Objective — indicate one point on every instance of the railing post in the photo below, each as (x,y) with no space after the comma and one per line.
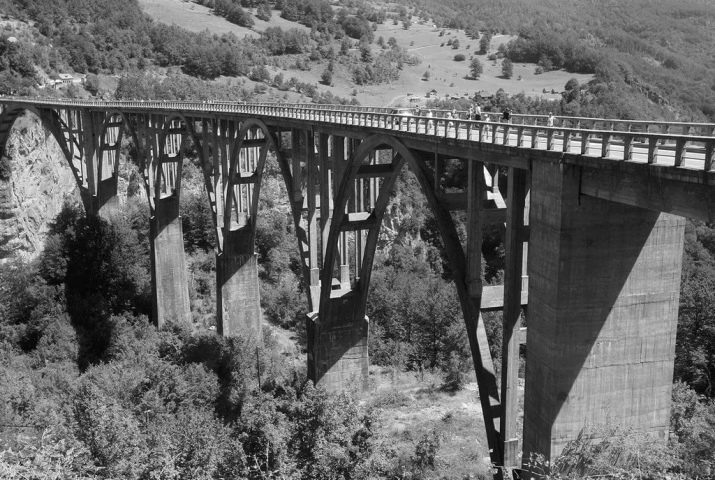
(585,141)
(652,149)
(679,152)
(606,145)
(709,152)
(628,147)
(567,141)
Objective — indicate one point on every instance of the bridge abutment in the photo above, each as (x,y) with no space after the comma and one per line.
(170,299)
(604,282)
(238,309)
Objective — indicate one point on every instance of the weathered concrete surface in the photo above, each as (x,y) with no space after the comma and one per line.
(106,203)
(338,345)
(604,281)
(238,311)
(168,275)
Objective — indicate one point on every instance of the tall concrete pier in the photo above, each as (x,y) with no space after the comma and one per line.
(604,283)
(598,205)
(238,310)
(170,299)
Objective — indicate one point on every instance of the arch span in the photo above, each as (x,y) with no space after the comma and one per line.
(238,165)
(335,309)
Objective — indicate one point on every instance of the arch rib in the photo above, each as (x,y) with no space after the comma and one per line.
(470,301)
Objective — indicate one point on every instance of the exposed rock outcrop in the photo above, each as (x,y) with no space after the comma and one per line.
(39,184)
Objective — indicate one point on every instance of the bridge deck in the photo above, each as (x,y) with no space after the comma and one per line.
(634,157)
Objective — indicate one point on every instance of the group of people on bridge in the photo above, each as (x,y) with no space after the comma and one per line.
(474,112)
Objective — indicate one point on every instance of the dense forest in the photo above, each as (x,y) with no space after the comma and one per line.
(90,389)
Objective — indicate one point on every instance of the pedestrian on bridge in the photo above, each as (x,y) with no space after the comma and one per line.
(506,115)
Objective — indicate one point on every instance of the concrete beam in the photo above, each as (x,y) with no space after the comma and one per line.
(493,297)
(684,192)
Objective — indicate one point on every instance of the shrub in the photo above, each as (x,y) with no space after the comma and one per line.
(453,373)
(459,57)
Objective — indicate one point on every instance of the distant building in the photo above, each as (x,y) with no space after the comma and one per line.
(69,79)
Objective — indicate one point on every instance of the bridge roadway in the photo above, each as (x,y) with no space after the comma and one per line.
(598,203)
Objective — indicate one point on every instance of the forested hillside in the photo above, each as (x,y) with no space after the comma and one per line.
(90,389)
(660,49)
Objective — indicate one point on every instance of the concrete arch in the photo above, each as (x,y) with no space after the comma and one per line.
(365,148)
(157,163)
(455,253)
(238,310)
(125,123)
(230,194)
(272,144)
(152,160)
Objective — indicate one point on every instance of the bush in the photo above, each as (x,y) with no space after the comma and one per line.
(459,57)
(426,451)
(453,374)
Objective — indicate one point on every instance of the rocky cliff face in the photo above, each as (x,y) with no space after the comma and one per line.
(39,184)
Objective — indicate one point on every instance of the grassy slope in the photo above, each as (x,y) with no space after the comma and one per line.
(196,18)
(191,16)
(447,76)
(410,406)
(444,71)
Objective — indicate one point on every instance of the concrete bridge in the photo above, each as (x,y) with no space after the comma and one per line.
(599,203)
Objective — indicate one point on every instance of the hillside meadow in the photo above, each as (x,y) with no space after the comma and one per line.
(422,39)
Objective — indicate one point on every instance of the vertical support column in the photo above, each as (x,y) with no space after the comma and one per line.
(338,171)
(313,231)
(338,334)
(513,270)
(170,290)
(170,299)
(478,342)
(326,199)
(239,303)
(102,193)
(239,300)
(604,281)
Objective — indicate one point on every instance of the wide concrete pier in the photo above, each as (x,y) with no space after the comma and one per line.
(604,283)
